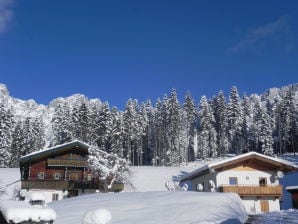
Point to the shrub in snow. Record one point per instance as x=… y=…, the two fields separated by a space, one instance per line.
x=98 y=216
x=212 y=185
x=200 y=187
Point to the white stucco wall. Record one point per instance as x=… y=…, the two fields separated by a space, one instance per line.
x=253 y=204
x=246 y=177
x=49 y=194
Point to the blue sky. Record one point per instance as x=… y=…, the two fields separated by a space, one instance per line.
x=115 y=50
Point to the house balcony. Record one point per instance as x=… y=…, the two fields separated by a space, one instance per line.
x=67 y=163
x=253 y=190
x=51 y=183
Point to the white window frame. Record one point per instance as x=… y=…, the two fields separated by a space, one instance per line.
x=41 y=175
x=55 y=197
x=57 y=176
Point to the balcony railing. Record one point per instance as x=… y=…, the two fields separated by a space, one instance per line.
x=67 y=162
x=248 y=190
x=52 y=183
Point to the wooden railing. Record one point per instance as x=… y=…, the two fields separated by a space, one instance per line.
x=67 y=162
x=246 y=190
x=67 y=184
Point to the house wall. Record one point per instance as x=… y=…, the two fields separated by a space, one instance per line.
x=246 y=177
x=253 y=204
x=48 y=193
x=204 y=180
x=41 y=166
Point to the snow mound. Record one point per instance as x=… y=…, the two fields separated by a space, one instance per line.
x=20 y=211
x=167 y=207
x=98 y=216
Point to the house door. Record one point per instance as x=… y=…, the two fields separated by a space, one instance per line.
x=264 y=206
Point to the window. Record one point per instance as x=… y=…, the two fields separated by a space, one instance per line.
x=233 y=181
x=55 y=197
x=89 y=177
x=263 y=181
x=40 y=175
x=57 y=176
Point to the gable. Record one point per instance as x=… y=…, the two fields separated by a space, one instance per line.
x=250 y=165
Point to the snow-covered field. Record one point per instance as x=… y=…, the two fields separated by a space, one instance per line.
x=155 y=208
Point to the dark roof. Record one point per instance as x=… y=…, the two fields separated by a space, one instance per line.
x=54 y=150
x=280 y=164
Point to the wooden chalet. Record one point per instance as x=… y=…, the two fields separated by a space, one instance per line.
x=255 y=177
x=61 y=171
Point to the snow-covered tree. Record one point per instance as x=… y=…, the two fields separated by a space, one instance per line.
x=190 y=115
x=207 y=134
x=174 y=152
x=117 y=133
x=107 y=166
x=6 y=127
x=221 y=125
x=234 y=120
x=81 y=128
x=61 y=124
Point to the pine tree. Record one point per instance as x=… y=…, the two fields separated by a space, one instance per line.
x=61 y=124
x=104 y=127
x=190 y=114
x=17 y=145
x=246 y=117
x=132 y=130
x=6 y=127
x=174 y=154
x=117 y=133
x=81 y=122
x=234 y=120
x=221 y=125
x=207 y=133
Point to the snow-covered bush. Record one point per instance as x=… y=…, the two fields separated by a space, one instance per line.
x=212 y=185
x=98 y=216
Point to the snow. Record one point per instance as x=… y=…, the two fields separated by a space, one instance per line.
x=98 y=216
x=155 y=207
x=11 y=177
x=20 y=211
x=148 y=178
x=292 y=188
x=36 y=196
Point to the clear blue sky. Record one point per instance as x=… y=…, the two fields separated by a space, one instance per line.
x=114 y=50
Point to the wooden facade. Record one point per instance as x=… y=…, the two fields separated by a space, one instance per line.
x=63 y=167
x=272 y=191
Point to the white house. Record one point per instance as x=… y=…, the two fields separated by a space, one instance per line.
x=255 y=177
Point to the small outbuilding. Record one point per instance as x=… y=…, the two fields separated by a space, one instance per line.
x=294 y=192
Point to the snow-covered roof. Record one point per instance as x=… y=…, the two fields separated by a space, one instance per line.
x=20 y=211
x=283 y=165
x=36 y=196
x=292 y=188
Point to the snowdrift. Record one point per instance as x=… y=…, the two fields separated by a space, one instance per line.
x=155 y=207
